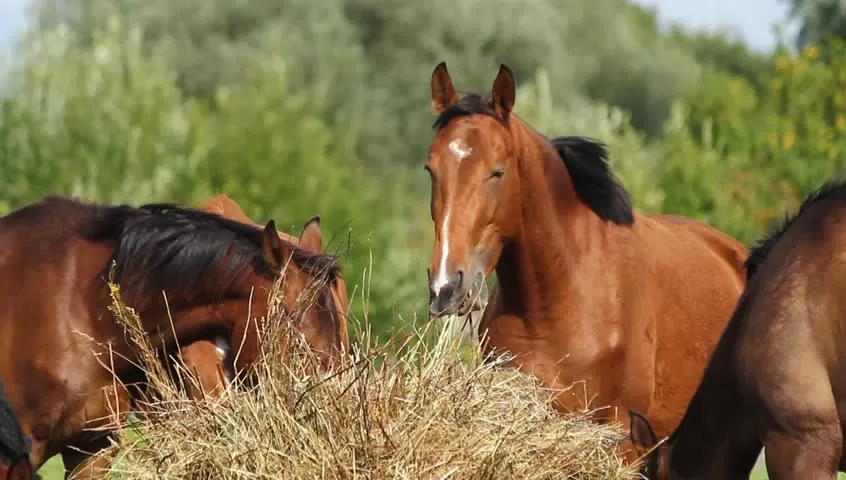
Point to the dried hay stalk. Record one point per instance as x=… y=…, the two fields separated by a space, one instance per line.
x=423 y=413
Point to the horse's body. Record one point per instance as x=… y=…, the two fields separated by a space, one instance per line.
x=59 y=342
x=14 y=446
x=587 y=288
x=325 y=325
x=777 y=374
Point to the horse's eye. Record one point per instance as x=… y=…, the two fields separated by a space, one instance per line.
x=498 y=173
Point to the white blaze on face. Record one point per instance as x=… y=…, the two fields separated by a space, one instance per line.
x=461 y=151
x=441 y=279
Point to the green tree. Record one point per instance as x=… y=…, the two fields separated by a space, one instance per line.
x=818 y=19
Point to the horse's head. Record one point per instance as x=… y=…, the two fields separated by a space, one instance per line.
x=472 y=165
x=325 y=315
x=656 y=458
x=250 y=292
x=307 y=274
x=318 y=296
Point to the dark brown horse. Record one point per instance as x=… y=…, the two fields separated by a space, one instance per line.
x=324 y=322
x=59 y=343
x=588 y=289
x=776 y=378
x=14 y=446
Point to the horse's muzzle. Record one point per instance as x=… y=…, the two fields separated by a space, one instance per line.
x=448 y=298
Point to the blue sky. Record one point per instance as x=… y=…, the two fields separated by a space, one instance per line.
x=751 y=18
x=12 y=18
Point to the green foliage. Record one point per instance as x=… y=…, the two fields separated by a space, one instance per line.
x=355 y=54
x=758 y=155
x=296 y=110
x=818 y=20
x=108 y=122
x=723 y=52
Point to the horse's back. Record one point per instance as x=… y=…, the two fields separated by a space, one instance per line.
x=795 y=297
x=226 y=207
x=698 y=246
x=686 y=281
x=698 y=267
x=723 y=245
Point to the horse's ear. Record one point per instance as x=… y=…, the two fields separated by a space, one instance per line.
x=503 y=92
x=271 y=246
x=443 y=93
x=311 y=237
x=641 y=432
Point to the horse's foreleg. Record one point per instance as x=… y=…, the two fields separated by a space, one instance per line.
x=813 y=456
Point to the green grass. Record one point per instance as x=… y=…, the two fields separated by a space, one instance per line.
x=54 y=469
x=760 y=473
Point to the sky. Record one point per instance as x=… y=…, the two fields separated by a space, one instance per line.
x=12 y=19
x=751 y=18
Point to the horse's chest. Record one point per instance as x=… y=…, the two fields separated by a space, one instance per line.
x=550 y=349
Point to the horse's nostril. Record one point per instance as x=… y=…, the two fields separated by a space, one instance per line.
x=460 y=277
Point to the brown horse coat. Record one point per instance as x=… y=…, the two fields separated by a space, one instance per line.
x=59 y=343
x=776 y=378
x=602 y=303
x=325 y=325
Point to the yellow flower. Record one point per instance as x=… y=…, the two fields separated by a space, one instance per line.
x=782 y=62
x=812 y=52
x=840 y=122
x=788 y=140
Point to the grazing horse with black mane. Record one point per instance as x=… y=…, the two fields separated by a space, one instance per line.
x=60 y=345
x=323 y=318
x=14 y=446
x=776 y=379
x=588 y=289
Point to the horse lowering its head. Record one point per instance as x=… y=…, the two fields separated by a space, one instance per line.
x=323 y=312
x=595 y=299
x=775 y=379
x=217 y=275
x=14 y=447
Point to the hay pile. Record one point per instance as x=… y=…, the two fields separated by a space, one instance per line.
x=420 y=413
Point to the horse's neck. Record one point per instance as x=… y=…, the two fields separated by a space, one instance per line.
x=716 y=438
x=558 y=238
x=186 y=320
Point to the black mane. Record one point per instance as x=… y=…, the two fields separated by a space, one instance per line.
x=586 y=161
x=13 y=443
x=593 y=180
x=830 y=189
x=163 y=246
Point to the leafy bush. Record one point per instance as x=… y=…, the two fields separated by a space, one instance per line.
x=108 y=122
x=757 y=155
